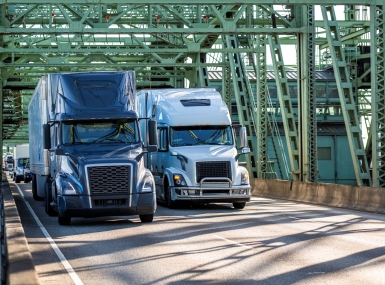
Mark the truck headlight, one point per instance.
(245, 178)
(147, 184)
(179, 180)
(67, 185)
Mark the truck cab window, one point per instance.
(201, 135)
(100, 132)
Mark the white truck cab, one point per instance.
(197, 158)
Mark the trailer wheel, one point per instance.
(64, 221)
(48, 199)
(146, 218)
(239, 205)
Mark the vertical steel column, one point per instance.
(288, 117)
(261, 91)
(202, 72)
(377, 55)
(226, 81)
(307, 120)
(345, 92)
(2, 20)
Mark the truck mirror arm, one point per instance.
(245, 150)
(60, 151)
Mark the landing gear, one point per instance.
(48, 199)
(34, 189)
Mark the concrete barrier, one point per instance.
(369, 199)
(20, 269)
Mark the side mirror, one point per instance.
(152, 136)
(47, 136)
(242, 137)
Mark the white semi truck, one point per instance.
(21, 157)
(197, 158)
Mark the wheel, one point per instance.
(167, 192)
(34, 189)
(17, 179)
(240, 205)
(146, 218)
(48, 199)
(64, 221)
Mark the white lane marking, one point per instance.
(233, 242)
(59, 254)
(295, 218)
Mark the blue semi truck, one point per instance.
(86, 149)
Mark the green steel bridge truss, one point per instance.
(172, 44)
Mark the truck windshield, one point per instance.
(22, 161)
(100, 132)
(202, 135)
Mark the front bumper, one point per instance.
(212, 194)
(101, 206)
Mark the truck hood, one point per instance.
(106, 151)
(207, 152)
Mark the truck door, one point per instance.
(161, 161)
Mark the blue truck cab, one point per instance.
(86, 149)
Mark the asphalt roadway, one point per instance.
(268, 242)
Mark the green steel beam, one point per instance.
(377, 14)
(307, 120)
(287, 111)
(245, 101)
(139, 31)
(203, 2)
(260, 67)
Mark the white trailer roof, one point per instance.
(190, 106)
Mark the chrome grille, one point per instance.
(109, 179)
(213, 169)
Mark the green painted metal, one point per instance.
(347, 101)
(196, 2)
(245, 101)
(260, 67)
(166, 43)
(377, 14)
(288, 115)
(307, 121)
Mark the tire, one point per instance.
(64, 221)
(34, 189)
(146, 218)
(17, 179)
(240, 205)
(167, 192)
(48, 199)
